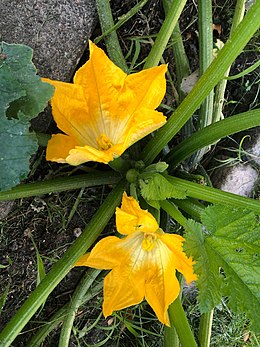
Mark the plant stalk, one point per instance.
(206, 57)
(179, 320)
(60, 184)
(221, 87)
(63, 266)
(165, 33)
(123, 19)
(205, 328)
(214, 195)
(173, 211)
(208, 80)
(75, 302)
(211, 134)
(111, 40)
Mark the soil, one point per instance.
(45, 218)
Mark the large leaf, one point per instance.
(226, 249)
(20, 87)
(17, 146)
(22, 96)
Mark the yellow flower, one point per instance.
(104, 111)
(143, 263)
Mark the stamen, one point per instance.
(148, 242)
(103, 142)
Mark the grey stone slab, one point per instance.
(57, 30)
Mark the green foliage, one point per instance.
(22, 97)
(156, 187)
(226, 249)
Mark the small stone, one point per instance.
(77, 232)
(5, 208)
(240, 179)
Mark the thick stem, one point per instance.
(164, 34)
(112, 43)
(173, 211)
(214, 195)
(221, 87)
(205, 328)
(208, 80)
(60, 184)
(179, 320)
(123, 19)
(206, 57)
(211, 134)
(74, 305)
(63, 266)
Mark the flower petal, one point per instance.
(131, 218)
(123, 287)
(58, 147)
(143, 122)
(80, 155)
(70, 112)
(101, 80)
(105, 255)
(161, 286)
(145, 89)
(182, 263)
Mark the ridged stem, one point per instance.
(164, 34)
(60, 184)
(213, 133)
(111, 40)
(221, 87)
(214, 195)
(179, 320)
(208, 80)
(63, 266)
(205, 328)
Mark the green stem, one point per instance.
(221, 87)
(111, 40)
(164, 34)
(63, 266)
(123, 19)
(180, 58)
(120, 165)
(74, 305)
(182, 66)
(58, 317)
(173, 211)
(205, 328)
(170, 337)
(206, 57)
(60, 184)
(179, 320)
(214, 195)
(244, 72)
(191, 206)
(208, 80)
(213, 133)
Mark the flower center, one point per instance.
(103, 142)
(148, 242)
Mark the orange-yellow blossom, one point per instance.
(104, 111)
(143, 263)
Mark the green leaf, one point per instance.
(155, 187)
(227, 250)
(22, 96)
(17, 146)
(21, 89)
